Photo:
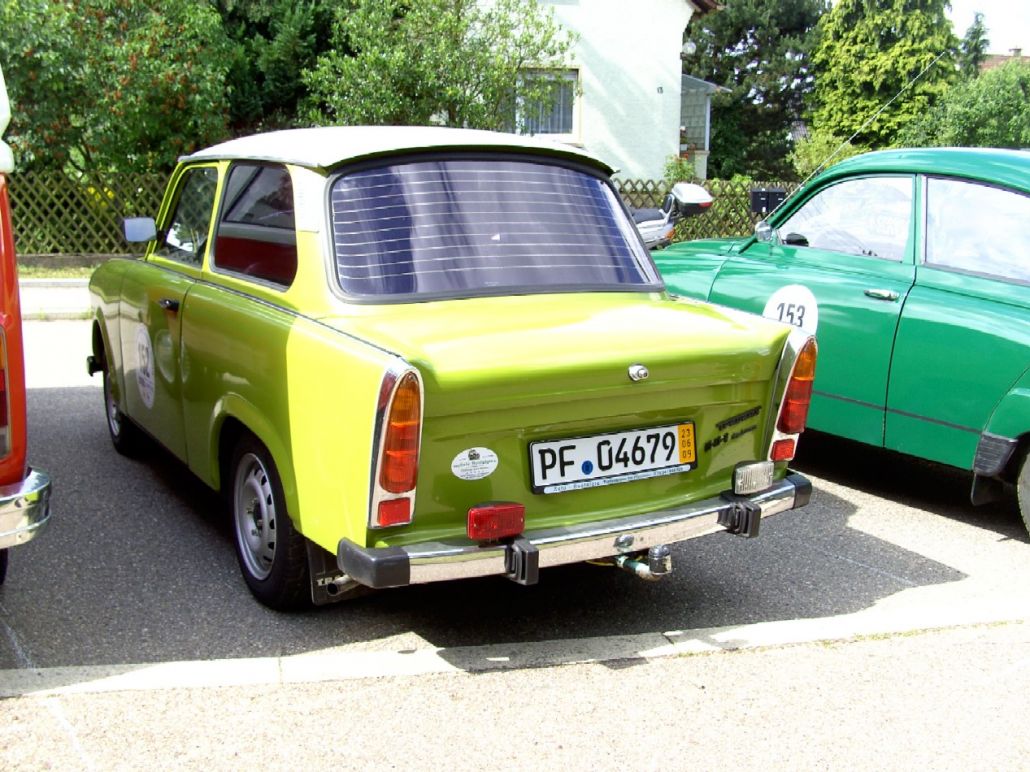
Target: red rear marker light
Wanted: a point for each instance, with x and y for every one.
(798, 396)
(489, 522)
(393, 512)
(400, 445)
(783, 450)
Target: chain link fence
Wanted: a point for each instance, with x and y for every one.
(59, 214)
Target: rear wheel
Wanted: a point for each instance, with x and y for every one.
(271, 553)
(1023, 491)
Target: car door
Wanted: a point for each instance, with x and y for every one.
(840, 267)
(153, 295)
(964, 337)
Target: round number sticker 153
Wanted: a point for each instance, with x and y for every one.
(794, 304)
(144, 366)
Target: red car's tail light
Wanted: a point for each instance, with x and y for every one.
(400, 443)
(488, 522)
(798, 395)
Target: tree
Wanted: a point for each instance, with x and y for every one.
(758, 50)
(992, 110)
(819, 150)
(112, 84)
(973, 49)
(275, 41)
(868, 54)
(420, 61)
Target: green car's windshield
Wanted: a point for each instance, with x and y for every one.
(457, 227)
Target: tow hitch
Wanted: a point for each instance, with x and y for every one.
(653, 566)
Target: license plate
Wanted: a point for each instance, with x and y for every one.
(606, 459)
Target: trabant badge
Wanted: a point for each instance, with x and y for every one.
(638, 373)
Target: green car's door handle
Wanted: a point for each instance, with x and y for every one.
(882, 294)
(169, 304)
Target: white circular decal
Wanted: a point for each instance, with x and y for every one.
(474, 464)
(144, 366)
(794, 304)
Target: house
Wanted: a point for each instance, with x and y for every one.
(622, 94)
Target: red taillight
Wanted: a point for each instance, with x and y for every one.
(400, 444)
(798, 396)
(488, 522)
(393, 512)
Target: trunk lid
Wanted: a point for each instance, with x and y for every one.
(539, 368)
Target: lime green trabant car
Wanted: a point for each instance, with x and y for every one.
(912, 268)
(409, 355)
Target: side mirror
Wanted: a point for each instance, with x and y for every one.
(689, 198)
(764, 232)
(795, 240)
(139, 229)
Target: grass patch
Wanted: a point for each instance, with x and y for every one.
(55, 272)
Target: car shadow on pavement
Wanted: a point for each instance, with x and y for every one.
(908, 480)
(138, 567)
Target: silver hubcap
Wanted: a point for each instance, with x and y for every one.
(254, 515)
(114, 415)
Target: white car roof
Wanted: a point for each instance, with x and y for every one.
(329, 146)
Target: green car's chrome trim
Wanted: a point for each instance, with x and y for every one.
(382, 567)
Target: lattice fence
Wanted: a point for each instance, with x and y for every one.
(54, 213)
(58, 214)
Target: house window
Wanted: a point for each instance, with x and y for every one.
(557, 114)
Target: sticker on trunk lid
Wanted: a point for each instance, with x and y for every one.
(474, 464)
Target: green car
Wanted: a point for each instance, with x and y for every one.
(912, 268)
(409, 355)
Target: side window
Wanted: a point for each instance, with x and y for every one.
(186, 235)
(870, 216)
(256, 236)
(978, 228)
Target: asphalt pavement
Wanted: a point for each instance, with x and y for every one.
(883, 626)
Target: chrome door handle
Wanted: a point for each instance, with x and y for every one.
(882, 294)
(169, 304)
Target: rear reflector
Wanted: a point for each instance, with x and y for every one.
(488, 522)
(794, 411)
(393, 512)
(783, 450)
(752, 477)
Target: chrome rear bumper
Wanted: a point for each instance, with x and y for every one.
(461, 559)
(24, 509)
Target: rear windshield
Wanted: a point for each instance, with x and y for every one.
(459, 227)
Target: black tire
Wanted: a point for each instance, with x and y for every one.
(3, 565)
(272, 554)
(125, 435)
(1023, 491)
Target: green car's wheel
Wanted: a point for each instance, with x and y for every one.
(272, 555)
(1023, 491)
(125, 436)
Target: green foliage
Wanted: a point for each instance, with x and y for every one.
(448, 61)
(758, 50)
(275, 41)
(820, 149)
(112, 84)
(868, 51)
(973, 49)
(992, 110)
(679, 169)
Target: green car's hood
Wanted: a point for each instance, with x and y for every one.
(550, 348)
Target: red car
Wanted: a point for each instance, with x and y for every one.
(24, 492)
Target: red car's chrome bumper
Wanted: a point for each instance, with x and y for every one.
(24, 509)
